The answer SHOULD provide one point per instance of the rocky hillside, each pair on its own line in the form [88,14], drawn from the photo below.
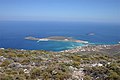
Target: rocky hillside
[43,65]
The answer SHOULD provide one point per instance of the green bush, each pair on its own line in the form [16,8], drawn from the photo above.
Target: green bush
[87,77]
[5,63]
[6,77]
[113,76]
[35,72]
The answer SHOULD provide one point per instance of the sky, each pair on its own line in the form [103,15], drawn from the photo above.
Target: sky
[61,10]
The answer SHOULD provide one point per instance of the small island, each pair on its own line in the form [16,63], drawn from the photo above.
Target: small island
[57,38]
[91,34]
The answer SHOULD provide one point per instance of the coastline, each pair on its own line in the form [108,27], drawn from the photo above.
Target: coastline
[85,48]
[92,48]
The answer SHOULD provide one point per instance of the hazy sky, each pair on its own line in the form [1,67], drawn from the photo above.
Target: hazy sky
[61,10]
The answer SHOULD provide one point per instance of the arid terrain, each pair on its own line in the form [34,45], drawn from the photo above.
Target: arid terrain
[92,63]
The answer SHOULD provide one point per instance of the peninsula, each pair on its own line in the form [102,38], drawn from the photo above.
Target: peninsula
[56,38]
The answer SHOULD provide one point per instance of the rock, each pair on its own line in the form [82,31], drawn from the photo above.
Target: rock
[15,65]
[26,71]
[54,72]
[78,75]
[2,58]
[17,59]
[71,68]
[91,34]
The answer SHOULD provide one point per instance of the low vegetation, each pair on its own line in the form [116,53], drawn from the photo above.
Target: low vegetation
[43,65]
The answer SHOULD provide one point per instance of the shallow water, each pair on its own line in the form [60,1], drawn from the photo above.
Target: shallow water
[12,34]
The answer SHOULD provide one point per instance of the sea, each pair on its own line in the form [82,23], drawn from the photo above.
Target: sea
[12,34]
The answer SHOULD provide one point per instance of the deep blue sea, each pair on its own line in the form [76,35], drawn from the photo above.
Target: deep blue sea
[12,34]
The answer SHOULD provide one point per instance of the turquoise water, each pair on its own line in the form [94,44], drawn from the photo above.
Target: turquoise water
[12,34]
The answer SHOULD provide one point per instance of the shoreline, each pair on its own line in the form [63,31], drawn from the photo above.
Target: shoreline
[85,48]
[91,48]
